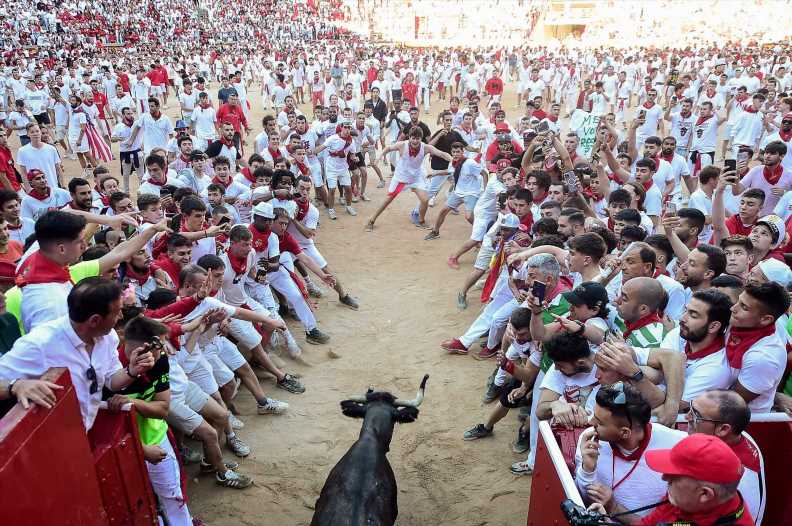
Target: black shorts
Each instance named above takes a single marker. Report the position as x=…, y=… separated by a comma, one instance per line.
x=131, y=157
x=508, y=387
x=42, y=118
x=356, y=161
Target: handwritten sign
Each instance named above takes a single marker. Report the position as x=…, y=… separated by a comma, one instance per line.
x=584, y=124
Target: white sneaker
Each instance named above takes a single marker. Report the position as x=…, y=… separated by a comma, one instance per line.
x=272, y=407
x=365, y=197
x=351, y=211
x=293, y=349
x=432, y=202
x=521, y=468
x=235, y=422
x=313, y=289
x=331, y=213
x=237, y=447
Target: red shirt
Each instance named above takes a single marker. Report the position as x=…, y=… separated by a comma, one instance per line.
x=7, y=167
x=170, y=268
x=100, y=99
x=232, y=114
x=287, y=243
x=123, y=79
x=668, y=513
x=735, y=226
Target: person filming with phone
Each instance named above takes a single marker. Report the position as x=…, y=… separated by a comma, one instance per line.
x=85, y=342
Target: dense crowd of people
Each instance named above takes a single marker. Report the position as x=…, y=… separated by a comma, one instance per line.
x=630, y=220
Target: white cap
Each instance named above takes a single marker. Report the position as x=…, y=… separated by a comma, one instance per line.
x=777, y=271
x=510, y=221
x=264, y=210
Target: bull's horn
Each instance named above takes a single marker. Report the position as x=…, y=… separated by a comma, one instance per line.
x=418, y=398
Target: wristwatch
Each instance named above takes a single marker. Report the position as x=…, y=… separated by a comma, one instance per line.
x=637, y=377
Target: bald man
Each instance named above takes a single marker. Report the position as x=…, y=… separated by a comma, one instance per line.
x=726, y=415
x=638, y=305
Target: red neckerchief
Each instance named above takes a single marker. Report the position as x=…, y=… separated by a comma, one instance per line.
x=635, y=455
x=228, y=142
x=552, y=118
x=648, y=105
x=682, y=114
x=750, y=109
x=785, y=136
x=413, y=152
x=216, y=180
x=38, y=268
x=260, y=239
x=642, y=322
x=275, y=154
x=740, y=340
x=36, y=194
x=128, y=122
x=14, y=227
x=741, y=97
x=140, y=277
x=248, y=175
x=347, y=97
x=170, y=268
x=647, y=185
x=185, y=159
x=155, y=116
x=773, y=176
x=360, y=127
x=302, y=167
x=663, y=273
x=668, y=158
x=238, y=264
x=204, y=105
x=710, y=93
x=302, y=209
x=702, y=120
x=712, y=348
x=104, y=198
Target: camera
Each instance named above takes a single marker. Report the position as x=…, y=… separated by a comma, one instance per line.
x=580, y=516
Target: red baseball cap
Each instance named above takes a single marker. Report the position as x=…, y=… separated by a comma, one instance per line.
x=700, y=457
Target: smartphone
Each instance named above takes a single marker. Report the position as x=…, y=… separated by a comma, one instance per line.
x=642, y=114
x=164, y=192
x=571, y=180
x=730, y=165
x=539, y=289
x=671, y=209
x=224, y=220
x=542, y=127
x=742, y=156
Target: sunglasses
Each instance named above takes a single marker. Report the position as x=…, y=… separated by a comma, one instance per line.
x=91, y=374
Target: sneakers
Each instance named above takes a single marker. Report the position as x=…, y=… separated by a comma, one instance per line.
x=380, y=184
x=291, y=384
x=331, y=213
x=293, y=348
x=190, y=456
x=208, y=468
x=370, y=226
x=453, y=262
x=432, y=202
x=521, y=468
x=476, y=432
x=349, y=301
x=492, y=394
x=313, y=289
x=233, y=480
x=523, y=442
x=433, y=234
x=486, y=353
x=414, y=217
x=461, y=301
x=235, y=422
x=454, y=346
x=316, y=337
x=272, y=407
x=351, y=211
x=364, y=197
x=355, y=199
x=237, y=446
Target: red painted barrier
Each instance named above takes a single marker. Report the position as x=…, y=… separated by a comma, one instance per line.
x=555, y=459
x=49, y=474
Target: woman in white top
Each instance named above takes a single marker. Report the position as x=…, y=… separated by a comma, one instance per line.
x=409, y=174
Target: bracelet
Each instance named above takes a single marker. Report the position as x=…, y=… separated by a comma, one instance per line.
x=126, y=370
x=508, y=366
x=581, y=329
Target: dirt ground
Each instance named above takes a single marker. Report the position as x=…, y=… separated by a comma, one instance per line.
x=408, y=306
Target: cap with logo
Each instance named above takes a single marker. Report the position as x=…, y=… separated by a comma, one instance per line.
x=777, y=228
x=510, y=221
x=587, y=293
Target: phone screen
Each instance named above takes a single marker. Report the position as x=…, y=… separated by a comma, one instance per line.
x=571, y=180
x=539, y=289
x=730, y=165
x=542, y=127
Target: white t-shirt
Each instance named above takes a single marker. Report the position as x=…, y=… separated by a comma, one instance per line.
x=763, y=366
x=156, y=132
x=700, y=201
x=34, y=208
x=580, y=389
x=234, y=285
x=310, y=221
x=45, y=158
x=204, y=121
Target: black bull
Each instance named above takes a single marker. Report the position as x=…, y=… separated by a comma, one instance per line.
x=361, y=488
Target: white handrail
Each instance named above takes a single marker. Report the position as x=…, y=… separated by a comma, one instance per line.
x=560, y=465
x=758, y=417
x=126, y=407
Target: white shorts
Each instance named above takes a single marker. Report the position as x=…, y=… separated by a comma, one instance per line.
x=334, y=180
x=316, y=173
x=453, y=201
x=81, y=147
x=396, y=187
x=222, y=374
x=183, y=414
x=480, y=226
x=203, y=376
x=60, y=132
x=314, y=254
x=484, y=256
x=246, y=336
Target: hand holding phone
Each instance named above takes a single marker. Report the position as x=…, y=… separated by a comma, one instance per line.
x=730, y=165
x=539, y=290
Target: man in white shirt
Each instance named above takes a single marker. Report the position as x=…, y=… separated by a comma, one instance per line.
x=749, y=126
x=157, y=129
x=648, y=116
x=85, y=342
x=610, y=460
x=757, y=355
x=203, y=122
x=38, y=155
x=42, y=197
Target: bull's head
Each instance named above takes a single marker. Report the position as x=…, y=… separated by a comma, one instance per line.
x=402, y=411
